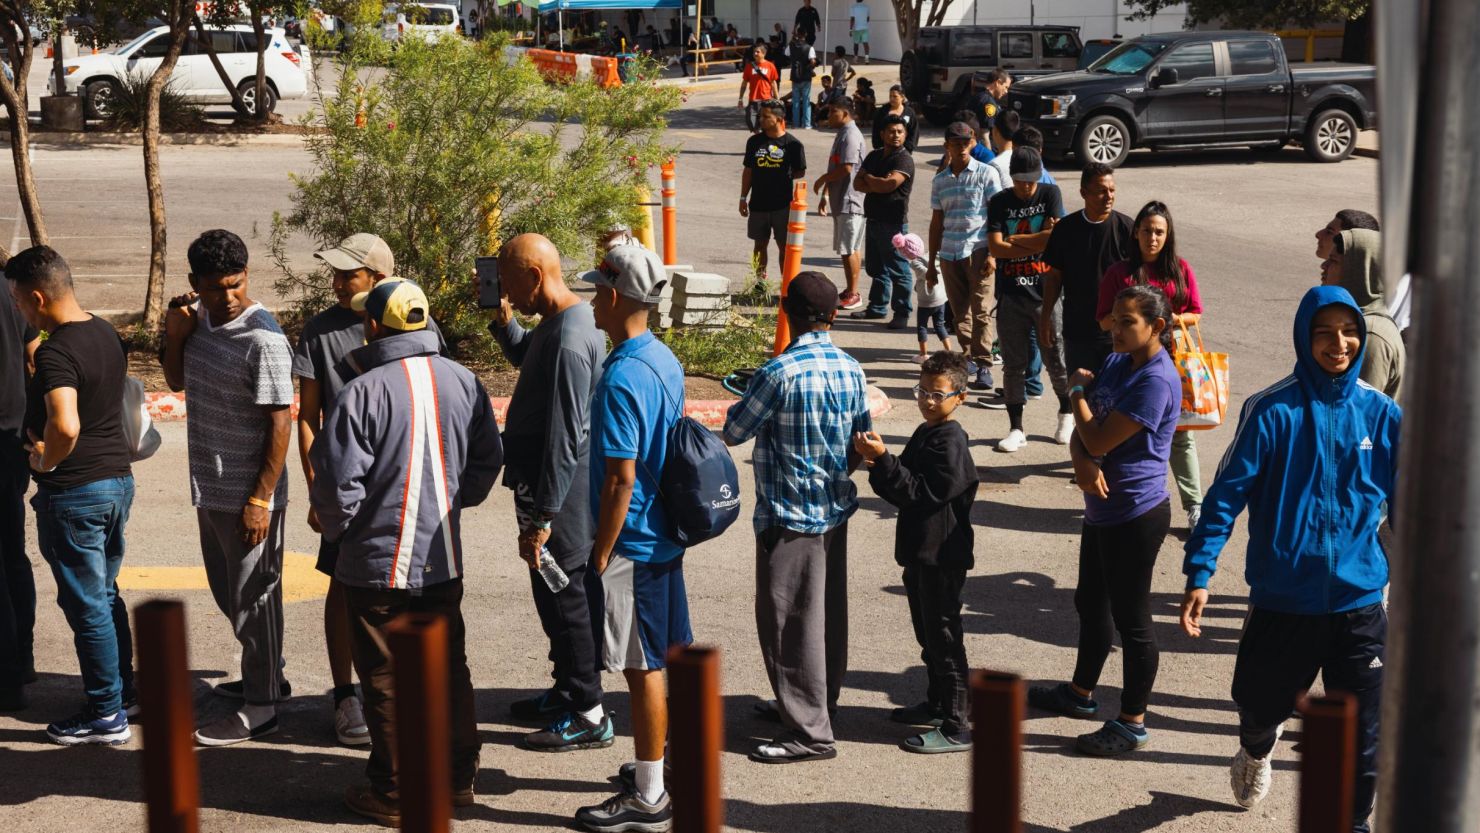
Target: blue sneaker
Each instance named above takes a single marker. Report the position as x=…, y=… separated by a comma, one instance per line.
x=981, y=378
x=84, y=727
x=571, y=732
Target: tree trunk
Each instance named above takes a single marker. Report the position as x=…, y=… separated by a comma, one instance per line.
x=261, y=32
x=154, y=294
x=56, y=57
x=17, y=101
x=237, y=103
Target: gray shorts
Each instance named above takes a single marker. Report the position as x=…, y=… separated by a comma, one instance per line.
x=761, y=225
x=847, y=233
x=647, y=612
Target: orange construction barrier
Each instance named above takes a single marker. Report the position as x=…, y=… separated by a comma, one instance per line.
x=604, y=70
x=670, y=213
x=796, y=228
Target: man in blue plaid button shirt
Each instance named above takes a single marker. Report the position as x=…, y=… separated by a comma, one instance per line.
x=803, y=408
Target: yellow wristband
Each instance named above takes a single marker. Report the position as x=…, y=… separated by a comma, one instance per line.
x=257, y=501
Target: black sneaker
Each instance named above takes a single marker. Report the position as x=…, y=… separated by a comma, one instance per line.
x=627, y=811
x=868, y=315
x=627, y=774
x=236, y=690
x=570, y=733
x=899, y=322
x=541, y=707
x=1060, y=699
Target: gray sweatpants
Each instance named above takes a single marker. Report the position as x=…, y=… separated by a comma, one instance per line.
x=801, y=614
x=248, y=586
x=1017, y=319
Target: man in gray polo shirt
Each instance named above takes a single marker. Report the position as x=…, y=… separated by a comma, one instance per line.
x=841, y=199
x=228, y=353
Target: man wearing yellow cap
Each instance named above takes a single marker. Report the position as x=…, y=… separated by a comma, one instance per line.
x=410, y=442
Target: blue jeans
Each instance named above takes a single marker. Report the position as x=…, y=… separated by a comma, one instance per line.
x=80, y=532
x=801, y=103
x=1033, y=385
x=893, y=280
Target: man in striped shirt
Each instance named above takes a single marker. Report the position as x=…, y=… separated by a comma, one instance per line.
x=803, y=408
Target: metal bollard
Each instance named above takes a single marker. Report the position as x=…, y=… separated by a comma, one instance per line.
x=997, y=704
x=171, y=775
x=670, y=213
x=697, y=734
x=796, y=229
x=418, y=644
x=1328, y=764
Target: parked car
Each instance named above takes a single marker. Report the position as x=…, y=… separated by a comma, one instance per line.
x=937, y=73
x=420, y=19
x=1199, y=89
x=97, y=77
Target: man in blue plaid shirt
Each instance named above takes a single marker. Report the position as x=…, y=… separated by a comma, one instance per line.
x=803, y=408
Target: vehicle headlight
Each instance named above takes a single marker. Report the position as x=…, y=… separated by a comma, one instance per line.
x=1054, y=106
x=71, y=69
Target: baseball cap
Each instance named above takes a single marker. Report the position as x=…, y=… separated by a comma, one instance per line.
x=1026, y=165
x=811, y=295
x=633, y=270
x=959, y=131
x=397, y=303
x=358, y=251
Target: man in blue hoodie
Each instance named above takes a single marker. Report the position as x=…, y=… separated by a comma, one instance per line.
x=1315, y=460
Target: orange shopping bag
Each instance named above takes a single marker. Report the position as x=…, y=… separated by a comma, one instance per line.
x=1204, y=383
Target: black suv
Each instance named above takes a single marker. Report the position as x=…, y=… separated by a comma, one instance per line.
x=937, y=73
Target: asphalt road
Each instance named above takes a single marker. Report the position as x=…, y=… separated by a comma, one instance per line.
x=1244, y=222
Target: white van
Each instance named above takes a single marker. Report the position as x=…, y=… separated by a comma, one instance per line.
x=421, y=19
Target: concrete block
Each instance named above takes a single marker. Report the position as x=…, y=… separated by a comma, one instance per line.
x=701, y=283
x=702, y=302
x=701, y=318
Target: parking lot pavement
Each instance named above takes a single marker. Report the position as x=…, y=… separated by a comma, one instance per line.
x=1244, y=222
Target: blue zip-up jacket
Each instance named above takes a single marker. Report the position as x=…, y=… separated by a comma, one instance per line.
x=1315, y=460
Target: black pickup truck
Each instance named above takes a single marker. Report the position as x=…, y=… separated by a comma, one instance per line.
x=1199, y=89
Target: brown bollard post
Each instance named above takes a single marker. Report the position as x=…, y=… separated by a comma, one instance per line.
x=171, y=776
x=1328, y=763
x=418, y=644
x=997, y=704
x=697, y=733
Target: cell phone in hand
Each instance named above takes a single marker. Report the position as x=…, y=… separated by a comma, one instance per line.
x=489, y=290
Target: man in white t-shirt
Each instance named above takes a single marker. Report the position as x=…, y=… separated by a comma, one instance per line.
x=858, y=28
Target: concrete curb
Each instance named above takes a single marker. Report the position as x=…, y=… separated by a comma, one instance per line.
x=170, y=407
x=137, y=140
x=1370, y=153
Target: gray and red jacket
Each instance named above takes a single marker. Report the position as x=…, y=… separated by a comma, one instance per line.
x=407, y=445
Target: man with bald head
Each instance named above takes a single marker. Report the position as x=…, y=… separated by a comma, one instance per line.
x=547, y=436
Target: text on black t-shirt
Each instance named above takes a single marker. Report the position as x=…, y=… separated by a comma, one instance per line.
x=1010, y=215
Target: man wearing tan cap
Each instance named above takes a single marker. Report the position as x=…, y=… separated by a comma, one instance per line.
x=361, y=251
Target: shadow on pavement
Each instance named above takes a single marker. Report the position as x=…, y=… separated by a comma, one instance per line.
x=1162, y=809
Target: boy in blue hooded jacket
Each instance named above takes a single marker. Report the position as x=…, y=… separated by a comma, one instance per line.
x=1315, y=461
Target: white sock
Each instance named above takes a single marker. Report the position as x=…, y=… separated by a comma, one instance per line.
x=594, y=714
x=257, y=715
x=650, y=780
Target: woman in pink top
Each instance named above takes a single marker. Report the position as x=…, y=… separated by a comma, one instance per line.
x=1155, y=263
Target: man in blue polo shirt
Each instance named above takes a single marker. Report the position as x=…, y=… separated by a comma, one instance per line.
x=637, y=401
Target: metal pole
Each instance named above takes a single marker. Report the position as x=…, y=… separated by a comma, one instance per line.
x=1328, y=763
x=418, y=644
x=997, y=704
x=1431, y=730
x=796, y=228
x=697, y=736
x=171, y=775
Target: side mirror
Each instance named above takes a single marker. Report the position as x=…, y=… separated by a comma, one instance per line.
x=1164, y=77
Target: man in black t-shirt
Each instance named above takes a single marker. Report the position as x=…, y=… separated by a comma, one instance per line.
x=18, y=343
x=774, y=160
x=1083, y=245
x=808, y=21
x=885, y=178
x=84, y=486
x=1019, y=223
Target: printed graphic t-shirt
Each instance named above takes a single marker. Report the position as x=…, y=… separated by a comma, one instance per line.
x=774, y=164
x=1008, y=215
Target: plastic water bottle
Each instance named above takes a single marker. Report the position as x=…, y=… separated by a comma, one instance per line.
x=555, y=578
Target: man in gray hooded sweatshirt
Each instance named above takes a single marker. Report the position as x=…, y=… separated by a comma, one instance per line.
x=1355, y=264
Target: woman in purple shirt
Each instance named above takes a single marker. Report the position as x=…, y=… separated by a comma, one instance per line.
x=1123, y=425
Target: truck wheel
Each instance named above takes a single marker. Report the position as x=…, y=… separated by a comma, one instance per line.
x=98, y=97
x=914, y=76
x=1331, y=136
x=1103, y=139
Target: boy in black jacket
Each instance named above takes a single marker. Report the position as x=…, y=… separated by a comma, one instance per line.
x=933, y=482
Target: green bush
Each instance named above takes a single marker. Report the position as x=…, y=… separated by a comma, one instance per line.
x=129, y=104
x=455, y=150
x=746, y=342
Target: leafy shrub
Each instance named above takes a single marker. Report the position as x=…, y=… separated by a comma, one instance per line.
x=130, y=103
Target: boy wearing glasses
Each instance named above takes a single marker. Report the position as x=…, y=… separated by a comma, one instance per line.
x=933, y=483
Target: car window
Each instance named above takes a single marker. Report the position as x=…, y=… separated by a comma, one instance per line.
x=154, y=48
x=224, y=42
x=246, y=42
x=1252, y=57
x=928, y=45
x=1060, y=45
x=428, y=15
x=1191, y=60
x=1016, y=45
x=1128, y=58
x=971, y=46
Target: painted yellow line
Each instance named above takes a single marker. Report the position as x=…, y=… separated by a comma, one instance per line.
x=300, y=580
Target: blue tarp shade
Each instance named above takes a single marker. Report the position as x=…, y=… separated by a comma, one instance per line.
x=607, y=5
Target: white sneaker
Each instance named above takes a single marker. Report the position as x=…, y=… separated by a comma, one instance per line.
x=349, y=723
x=1251, y=777
x=1014, y=441
x=1065, y=429
x=1194, y=514
x=919, y=358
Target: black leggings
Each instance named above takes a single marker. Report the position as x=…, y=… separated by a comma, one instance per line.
x=1114, y=595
